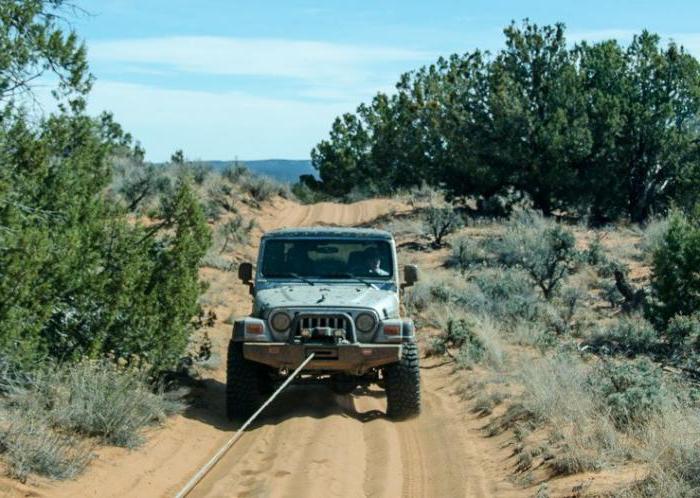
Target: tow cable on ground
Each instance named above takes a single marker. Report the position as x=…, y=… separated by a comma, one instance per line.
x=215, y=459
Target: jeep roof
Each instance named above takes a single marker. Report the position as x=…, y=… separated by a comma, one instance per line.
x=328, y=232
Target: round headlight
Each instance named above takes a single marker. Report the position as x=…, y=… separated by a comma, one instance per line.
x=280, y=321
x=365, y=322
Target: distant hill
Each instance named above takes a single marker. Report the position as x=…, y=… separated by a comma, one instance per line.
x=286, y=170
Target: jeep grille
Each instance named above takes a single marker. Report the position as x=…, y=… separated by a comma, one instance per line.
x=312, y=321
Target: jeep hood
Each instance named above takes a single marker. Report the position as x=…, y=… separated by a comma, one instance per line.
x=320, y=295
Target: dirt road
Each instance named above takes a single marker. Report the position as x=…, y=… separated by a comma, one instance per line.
x=314, y=443
x=311, y=442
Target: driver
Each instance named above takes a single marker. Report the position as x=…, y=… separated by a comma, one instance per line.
x=374, y=263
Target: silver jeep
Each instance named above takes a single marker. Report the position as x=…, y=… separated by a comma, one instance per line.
x=333, y=292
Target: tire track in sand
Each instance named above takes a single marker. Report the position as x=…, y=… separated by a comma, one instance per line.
x=319, y=445
x=289, y=214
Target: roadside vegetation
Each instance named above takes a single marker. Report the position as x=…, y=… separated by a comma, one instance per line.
x=53, y=416
x=581, y=382
x=100, y=255
x=564, y=222
x=96, y=303
x=605, y=130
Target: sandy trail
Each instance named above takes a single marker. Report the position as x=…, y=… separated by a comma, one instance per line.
x=310, y=442
x=315, y=443
x=290, y=214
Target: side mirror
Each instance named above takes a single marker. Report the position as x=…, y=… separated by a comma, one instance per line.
x=245, y=272
x=410, y=275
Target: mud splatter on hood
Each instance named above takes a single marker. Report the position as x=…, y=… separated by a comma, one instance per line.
x=328, y=296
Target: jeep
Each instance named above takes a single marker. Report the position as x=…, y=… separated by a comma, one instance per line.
x=333, y=292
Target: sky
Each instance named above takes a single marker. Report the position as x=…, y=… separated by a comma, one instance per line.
x=225, y=79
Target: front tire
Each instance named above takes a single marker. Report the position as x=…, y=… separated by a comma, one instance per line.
x=402, y=385
x=242, y=393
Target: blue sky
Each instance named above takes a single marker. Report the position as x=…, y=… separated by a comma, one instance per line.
x=255, y=80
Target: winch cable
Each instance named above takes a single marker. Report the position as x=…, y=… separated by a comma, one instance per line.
x=219, y=455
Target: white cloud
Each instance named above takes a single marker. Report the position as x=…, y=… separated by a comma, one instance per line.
x=215, y=125
x=303, y=60
x=321, y=79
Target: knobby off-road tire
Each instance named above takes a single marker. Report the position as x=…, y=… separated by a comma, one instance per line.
x=402, y=385
x=242, y=393
x=266, y=386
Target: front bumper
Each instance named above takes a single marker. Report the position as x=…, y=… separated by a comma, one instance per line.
x=355, y=358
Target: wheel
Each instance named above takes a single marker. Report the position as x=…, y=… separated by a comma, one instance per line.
x=242, y=393
x=266, y=385
x=343, y=384
x=402, y=385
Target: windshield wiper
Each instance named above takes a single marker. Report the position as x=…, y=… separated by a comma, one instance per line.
x=353, y=276
x=293, y=275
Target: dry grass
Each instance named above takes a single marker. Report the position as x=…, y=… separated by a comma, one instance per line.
x=672, y=452
x=29, y=444
x=559, y=406
x=468, y=339
x=46, y=419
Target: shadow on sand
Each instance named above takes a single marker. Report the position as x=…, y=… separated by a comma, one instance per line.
x=295, y=401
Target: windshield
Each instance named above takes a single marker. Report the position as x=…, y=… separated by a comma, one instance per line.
x=327, y=258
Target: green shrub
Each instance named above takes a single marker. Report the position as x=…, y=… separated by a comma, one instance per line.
x=683, y=332
x=611, y=294
x=235, y=172
x=235, y=231
x=220, y=197
x=306, y=195
x=631, y=391
x=79, y=277
x=544, y=249
x=675, y=277
x=140, y=183
x=560, y=313
x=608, y=267
x=460, y=333
x=595, y=255
x=425, y=194
x=473, y=339
x=506, y=294
x=151, y=298
x=428, y=291
x=263, y=188
x=440, y=222
x=362, y=192
x=197, y=170
x=467, y=253
x=630, y=335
